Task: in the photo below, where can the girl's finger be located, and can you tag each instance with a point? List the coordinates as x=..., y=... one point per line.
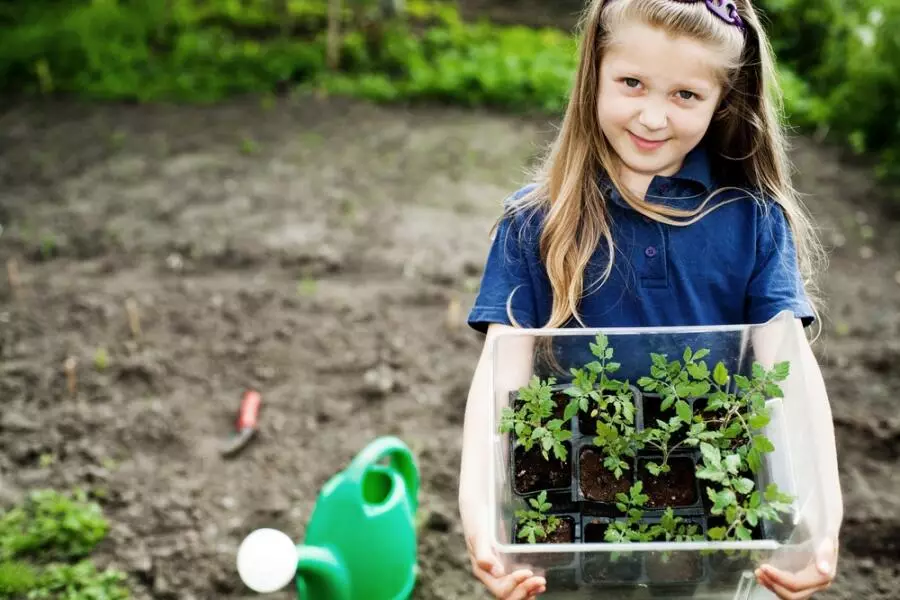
x=503, y=586
x=808, y=578
x=528, y=589
x=785, y=594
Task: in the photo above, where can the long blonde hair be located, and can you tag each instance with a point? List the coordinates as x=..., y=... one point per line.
x=745, y=140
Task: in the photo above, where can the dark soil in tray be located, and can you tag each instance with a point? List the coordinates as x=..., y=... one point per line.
x=534, y=473
x=597, y=482
x=564, y=534
x=676, y=488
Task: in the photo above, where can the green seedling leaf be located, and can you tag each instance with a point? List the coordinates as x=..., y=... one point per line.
x=711, y=455
x=762, y=444
x=773, y=391
x=733, y=463
x=758, y=371
x=720, y=374
x=758, y=421
x=699, y=372
x=683, y=409
x=782, y=370
x=710, y=474
x=743, y=485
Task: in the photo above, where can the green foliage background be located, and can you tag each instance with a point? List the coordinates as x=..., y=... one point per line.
x=45, y=545
x=838, y=57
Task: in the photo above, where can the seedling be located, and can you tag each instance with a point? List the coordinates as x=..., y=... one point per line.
x=676, y=382
x=676, y=529
x=101, y=359
x=608, y=400
x=536, y=524
x=743, y=514
x=633, y=528
x=530, y=422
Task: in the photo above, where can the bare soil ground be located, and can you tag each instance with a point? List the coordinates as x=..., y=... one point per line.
x=325, y=252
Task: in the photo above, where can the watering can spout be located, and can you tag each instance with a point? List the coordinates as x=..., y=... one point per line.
x=361, y=539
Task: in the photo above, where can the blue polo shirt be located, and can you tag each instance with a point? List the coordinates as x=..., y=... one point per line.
x=736, y=265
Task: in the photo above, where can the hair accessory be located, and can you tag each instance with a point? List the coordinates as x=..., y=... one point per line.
x=724, y=9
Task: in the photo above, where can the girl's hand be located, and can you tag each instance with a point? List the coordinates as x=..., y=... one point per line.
x=799, y=586
x=521, y=584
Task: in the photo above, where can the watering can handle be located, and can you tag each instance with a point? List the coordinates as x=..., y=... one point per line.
x=401, y=460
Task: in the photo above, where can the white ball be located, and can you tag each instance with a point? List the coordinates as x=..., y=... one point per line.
x=267, y=560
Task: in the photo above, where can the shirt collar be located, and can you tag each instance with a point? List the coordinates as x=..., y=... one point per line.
x=694, y=178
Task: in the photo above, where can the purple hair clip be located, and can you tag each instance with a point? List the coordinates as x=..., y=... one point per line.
x=724, y=9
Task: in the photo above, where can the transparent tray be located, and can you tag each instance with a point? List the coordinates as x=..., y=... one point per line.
x=585, y=564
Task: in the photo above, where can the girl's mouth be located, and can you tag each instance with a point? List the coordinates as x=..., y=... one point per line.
x=645, y=144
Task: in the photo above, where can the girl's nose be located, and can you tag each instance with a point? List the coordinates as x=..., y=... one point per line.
x=653, y=117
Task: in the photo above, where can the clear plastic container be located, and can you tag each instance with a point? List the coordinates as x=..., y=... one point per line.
x=585, y=565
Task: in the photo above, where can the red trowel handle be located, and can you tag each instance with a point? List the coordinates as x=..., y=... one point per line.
x=249, y=413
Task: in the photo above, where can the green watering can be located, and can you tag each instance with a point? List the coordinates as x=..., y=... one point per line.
x=361, y=539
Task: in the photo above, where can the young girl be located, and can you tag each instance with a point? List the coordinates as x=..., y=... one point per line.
x=666, y=201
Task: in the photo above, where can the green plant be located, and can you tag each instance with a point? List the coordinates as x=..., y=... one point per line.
x=676, y=529
x=16, y=579
x=101, y=359
x=728, y=431
x=610, y=401
x=531, y=422
x=633, y=528
x=81, y=581
x=53, y=525
x=536, y=524
x=743, y=512
x=676, y=383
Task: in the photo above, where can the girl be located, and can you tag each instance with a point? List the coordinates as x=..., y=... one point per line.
x=665, y=200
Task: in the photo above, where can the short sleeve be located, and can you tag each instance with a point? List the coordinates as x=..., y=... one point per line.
x=507, y=278
x=775, y=283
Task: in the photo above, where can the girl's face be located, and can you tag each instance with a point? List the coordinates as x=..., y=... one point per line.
x=657, y=97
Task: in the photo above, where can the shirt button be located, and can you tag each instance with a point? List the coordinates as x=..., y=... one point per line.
x=650, y=251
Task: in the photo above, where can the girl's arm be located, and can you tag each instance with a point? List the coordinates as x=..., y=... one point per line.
x=766, y=341
x=474, y=478
x=477, y=437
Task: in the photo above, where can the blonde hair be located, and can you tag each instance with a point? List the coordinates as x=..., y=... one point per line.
x=745, y=139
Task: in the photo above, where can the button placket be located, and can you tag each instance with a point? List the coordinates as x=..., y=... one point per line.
x=654, y=272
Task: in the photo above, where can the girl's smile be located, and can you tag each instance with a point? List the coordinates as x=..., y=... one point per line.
x=645, y=144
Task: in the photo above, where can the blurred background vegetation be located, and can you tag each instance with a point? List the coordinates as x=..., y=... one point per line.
x=838, y=57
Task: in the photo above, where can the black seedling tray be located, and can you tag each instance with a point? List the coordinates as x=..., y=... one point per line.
x=561, y=568
x=693, y=508
x=559, y=497
x=626, y=569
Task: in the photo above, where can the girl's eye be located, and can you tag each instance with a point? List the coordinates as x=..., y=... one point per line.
x=631, y=82
x=686, y=95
